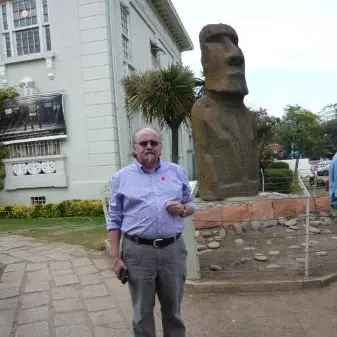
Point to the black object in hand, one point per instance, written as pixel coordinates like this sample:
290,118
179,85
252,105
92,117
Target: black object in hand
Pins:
124,275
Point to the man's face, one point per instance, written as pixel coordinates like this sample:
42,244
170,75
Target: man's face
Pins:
147,147
223,61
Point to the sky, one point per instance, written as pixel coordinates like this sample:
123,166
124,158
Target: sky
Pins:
290,48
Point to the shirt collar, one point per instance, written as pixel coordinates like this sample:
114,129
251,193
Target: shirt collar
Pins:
141,167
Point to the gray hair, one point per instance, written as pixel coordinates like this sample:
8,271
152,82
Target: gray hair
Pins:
140,129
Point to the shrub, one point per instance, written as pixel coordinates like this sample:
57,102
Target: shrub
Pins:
20,211
3,213
45,211
278,165
278,180
66,208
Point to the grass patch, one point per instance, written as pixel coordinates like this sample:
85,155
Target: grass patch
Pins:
89,232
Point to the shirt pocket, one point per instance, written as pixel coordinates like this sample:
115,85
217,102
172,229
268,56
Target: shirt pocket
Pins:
170,189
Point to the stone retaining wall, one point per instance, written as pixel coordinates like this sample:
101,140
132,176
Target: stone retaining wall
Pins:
227,215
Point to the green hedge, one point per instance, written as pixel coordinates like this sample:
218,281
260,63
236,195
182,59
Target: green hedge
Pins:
278,165
67,208
278,180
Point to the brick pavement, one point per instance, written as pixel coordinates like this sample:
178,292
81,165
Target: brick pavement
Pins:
60,290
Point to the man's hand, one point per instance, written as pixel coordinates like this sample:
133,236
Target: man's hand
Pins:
117,266
175,208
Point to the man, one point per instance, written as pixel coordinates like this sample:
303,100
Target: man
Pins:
149,200
333,182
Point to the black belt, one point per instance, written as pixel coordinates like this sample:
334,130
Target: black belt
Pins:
157,243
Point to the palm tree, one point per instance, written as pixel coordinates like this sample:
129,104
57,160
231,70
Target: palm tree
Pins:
165,96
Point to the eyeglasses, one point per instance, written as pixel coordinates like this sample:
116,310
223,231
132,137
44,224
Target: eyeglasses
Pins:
153,143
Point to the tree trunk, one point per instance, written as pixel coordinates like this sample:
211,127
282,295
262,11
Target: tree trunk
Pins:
175,144
296,167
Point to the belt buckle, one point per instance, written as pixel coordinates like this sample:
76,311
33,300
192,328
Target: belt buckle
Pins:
155,242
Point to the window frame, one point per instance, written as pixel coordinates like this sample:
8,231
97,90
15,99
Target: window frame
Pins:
125,33
11,30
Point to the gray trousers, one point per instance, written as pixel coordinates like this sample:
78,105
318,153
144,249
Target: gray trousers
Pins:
154,271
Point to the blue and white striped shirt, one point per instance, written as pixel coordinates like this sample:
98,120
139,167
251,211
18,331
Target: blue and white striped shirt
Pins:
138,200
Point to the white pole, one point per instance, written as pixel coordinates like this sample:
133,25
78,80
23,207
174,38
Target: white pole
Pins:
307,226
193,267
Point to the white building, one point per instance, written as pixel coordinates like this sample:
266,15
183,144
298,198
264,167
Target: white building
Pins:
78,51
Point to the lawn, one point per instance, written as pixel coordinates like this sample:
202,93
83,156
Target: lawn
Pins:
88,231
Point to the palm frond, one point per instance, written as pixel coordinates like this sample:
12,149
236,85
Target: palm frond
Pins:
165,96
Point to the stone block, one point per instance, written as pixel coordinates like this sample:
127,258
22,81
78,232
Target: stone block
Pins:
96,290
68,305
38,276
10,303
260,210
34,300
36,266
86,270
208,218
66,292
236,212
40,329
99,303
16,267
64,280
75,330
69,318
322,204
8,293
33,315
105,317
60,265
284,207
88,279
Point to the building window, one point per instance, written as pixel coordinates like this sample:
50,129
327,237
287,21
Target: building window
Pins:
38,200
125,18
155,55
26,27
35,149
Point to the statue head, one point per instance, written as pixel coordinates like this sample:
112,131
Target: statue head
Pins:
222,60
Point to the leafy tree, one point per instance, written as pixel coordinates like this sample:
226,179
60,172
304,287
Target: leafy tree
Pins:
5,94
266,127
330,133
298,131
165,96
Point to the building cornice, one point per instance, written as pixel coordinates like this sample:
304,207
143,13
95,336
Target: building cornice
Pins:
172,20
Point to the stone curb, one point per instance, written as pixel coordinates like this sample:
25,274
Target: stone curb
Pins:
221,287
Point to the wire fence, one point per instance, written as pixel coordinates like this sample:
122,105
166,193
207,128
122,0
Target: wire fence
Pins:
287,231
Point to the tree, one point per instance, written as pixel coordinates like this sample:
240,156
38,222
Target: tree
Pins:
5,94
266,127
298,131
165,96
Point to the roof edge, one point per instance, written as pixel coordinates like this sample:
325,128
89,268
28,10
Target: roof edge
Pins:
169,15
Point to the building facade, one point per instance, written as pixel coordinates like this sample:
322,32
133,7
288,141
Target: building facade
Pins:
67,57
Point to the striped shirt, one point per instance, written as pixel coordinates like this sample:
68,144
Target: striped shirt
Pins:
138,199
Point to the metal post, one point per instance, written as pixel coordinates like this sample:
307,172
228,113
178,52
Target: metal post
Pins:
262,180
193,267
307,237
307,226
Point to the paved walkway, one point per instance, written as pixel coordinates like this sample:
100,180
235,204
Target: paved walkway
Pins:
59,290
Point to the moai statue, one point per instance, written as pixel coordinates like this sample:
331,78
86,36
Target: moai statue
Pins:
224,130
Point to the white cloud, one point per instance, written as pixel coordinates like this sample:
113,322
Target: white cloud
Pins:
293,34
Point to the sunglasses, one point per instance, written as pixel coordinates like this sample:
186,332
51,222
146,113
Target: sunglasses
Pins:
144,143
